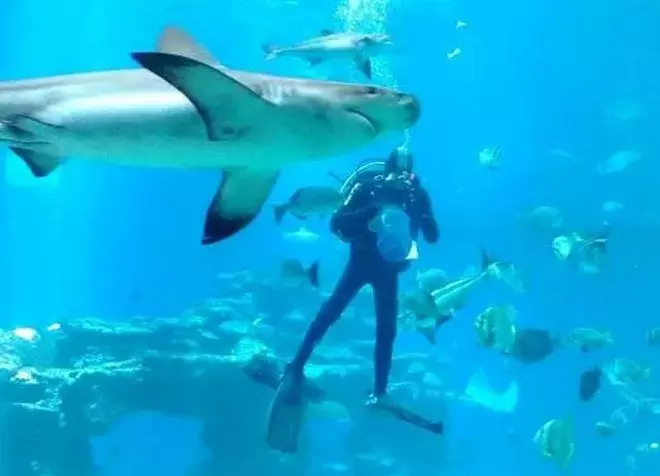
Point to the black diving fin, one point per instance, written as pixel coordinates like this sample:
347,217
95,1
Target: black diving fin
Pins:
408,416
286,416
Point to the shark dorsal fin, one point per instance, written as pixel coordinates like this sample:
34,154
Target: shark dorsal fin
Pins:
327,32
206,86
176,41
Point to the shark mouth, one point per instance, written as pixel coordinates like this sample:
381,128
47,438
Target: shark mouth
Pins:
374,125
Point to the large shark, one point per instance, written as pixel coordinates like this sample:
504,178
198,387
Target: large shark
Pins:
185,109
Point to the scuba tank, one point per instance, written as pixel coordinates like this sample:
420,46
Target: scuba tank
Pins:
392,224
393,238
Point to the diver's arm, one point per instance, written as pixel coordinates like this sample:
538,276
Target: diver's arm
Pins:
351,220
427,221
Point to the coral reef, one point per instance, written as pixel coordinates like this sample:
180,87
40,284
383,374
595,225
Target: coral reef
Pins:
63,385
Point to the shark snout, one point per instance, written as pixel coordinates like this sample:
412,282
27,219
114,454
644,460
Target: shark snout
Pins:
413,107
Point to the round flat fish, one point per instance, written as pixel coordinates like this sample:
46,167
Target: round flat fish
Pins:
532,345
590,384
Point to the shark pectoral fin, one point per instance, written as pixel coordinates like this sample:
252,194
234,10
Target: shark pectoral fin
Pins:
39,163
237,202
226,105
176,41
363,63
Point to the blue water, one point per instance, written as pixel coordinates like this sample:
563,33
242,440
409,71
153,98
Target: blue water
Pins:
114,242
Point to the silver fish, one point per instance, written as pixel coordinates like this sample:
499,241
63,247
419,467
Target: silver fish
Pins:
308,201
209,116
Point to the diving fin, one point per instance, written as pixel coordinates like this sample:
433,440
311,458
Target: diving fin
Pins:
267,371
408,416
286,416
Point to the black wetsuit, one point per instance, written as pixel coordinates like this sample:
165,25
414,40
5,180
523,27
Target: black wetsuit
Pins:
366,266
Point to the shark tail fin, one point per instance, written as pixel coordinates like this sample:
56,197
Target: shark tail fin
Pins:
486,260
313,273
279,211
429,334
270,51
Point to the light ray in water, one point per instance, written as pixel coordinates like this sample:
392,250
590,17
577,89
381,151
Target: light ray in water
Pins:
370,16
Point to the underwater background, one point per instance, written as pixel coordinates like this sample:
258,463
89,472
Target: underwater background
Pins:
559,86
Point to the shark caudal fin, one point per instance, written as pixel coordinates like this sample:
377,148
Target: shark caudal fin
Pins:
237,202
486,260
313,273
279,211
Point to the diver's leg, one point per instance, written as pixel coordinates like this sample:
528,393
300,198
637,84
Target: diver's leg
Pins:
348,286
385,286
286,415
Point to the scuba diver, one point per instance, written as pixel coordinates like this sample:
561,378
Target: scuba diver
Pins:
380,218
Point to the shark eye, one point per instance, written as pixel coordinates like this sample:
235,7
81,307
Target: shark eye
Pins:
372,90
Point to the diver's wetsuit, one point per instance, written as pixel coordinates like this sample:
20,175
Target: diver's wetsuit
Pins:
366,266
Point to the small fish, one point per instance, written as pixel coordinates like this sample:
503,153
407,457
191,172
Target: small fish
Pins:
533,345
496,328
556,441
453,53
588,250
490,157
309,201
543,218
605,429
590,383
360,47
618,161
426,319
626,372
588,339
460,25
294,274
453,294
301,235
653,336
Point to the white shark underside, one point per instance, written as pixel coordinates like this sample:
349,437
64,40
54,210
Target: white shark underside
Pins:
189,111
